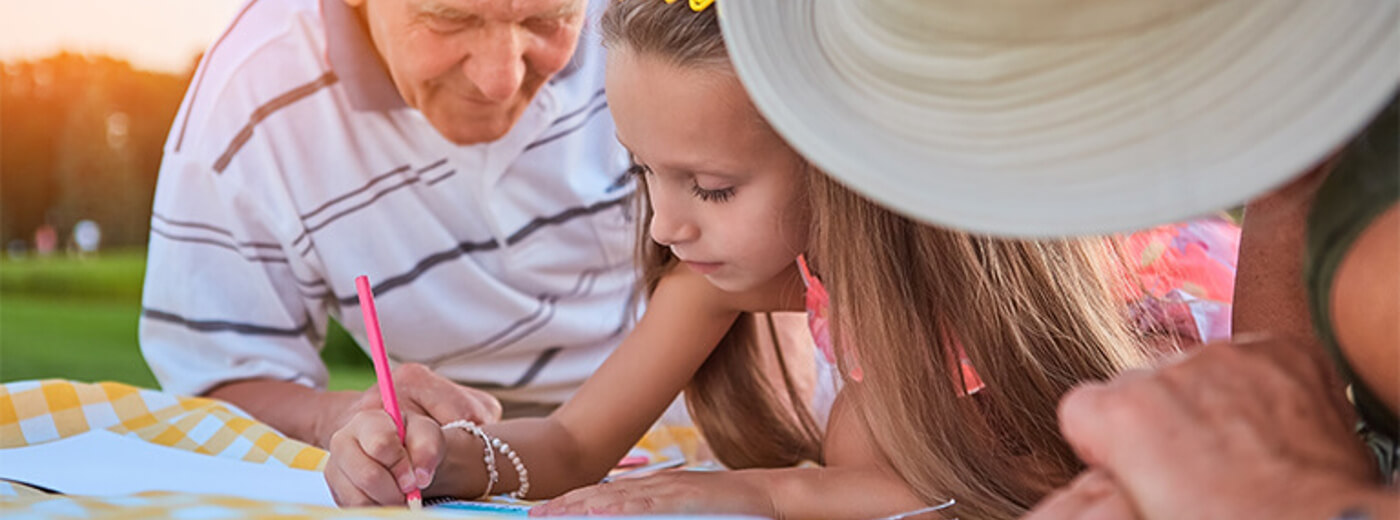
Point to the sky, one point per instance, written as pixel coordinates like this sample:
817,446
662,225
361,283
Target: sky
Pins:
161,35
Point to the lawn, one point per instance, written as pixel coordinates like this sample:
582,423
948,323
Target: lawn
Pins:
77,319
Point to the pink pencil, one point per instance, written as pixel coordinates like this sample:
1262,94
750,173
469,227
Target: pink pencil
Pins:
381,368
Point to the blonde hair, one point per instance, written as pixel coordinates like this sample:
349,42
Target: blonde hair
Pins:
1034,317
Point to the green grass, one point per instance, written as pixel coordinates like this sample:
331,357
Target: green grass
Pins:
43,337
114,276
350,368
77,319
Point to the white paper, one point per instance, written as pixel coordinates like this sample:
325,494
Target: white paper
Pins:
102,463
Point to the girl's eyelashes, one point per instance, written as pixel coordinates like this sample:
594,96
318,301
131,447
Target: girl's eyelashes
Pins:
719,195
707,195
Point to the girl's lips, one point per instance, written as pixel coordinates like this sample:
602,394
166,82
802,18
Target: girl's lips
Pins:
703,267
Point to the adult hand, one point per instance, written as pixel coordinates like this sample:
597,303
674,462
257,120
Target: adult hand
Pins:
368,464
420,391
674,492
1250,429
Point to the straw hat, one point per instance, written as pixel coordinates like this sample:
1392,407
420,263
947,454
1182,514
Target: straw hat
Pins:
1054,117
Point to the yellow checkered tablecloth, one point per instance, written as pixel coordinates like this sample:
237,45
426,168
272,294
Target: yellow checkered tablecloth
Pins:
35,412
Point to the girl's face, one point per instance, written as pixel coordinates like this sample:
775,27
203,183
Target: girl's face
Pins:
725,190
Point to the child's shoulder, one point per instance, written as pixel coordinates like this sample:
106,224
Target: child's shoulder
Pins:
783,293
681,285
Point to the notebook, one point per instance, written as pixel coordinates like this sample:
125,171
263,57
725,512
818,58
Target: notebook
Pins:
102,463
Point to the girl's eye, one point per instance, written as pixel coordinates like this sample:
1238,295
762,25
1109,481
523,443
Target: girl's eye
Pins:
720,195
638,169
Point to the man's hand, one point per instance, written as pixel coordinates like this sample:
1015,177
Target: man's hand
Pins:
1250,429
420,391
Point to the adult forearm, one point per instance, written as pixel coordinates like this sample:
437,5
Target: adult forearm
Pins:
305,414
1269,291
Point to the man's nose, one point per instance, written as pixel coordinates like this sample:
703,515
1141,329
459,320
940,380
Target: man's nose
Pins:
496,64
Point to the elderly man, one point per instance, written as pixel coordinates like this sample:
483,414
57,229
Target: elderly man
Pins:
458,152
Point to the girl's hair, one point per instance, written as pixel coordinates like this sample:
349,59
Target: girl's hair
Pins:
1034,317
732,397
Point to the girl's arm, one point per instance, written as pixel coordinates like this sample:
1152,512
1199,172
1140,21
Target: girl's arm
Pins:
577,444
855,484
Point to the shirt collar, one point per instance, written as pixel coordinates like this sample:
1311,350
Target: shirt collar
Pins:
355,60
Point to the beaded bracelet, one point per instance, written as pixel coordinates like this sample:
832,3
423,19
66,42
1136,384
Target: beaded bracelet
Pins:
520,471
489,456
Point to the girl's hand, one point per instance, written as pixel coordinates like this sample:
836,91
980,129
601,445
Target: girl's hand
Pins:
420,390
686,492
369,466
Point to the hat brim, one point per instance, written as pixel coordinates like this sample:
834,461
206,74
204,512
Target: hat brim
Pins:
1120,132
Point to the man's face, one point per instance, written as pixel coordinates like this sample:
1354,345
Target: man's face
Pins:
472,66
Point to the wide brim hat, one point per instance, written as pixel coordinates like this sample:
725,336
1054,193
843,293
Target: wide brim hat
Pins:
1064,117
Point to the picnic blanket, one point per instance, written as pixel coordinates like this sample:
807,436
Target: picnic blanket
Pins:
35,412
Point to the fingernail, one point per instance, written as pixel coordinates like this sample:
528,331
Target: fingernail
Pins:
407,483
424,477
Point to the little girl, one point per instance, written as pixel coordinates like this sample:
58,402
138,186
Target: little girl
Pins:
920,320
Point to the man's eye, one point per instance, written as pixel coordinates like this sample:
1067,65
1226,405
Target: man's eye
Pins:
543,25
446,25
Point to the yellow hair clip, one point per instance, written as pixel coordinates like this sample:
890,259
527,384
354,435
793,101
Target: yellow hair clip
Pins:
696,5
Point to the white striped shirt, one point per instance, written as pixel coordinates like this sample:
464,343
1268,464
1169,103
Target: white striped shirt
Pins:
294,165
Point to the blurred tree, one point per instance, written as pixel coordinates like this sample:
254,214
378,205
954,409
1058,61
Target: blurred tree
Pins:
82,137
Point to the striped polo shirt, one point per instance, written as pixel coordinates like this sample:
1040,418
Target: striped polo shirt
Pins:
294,165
